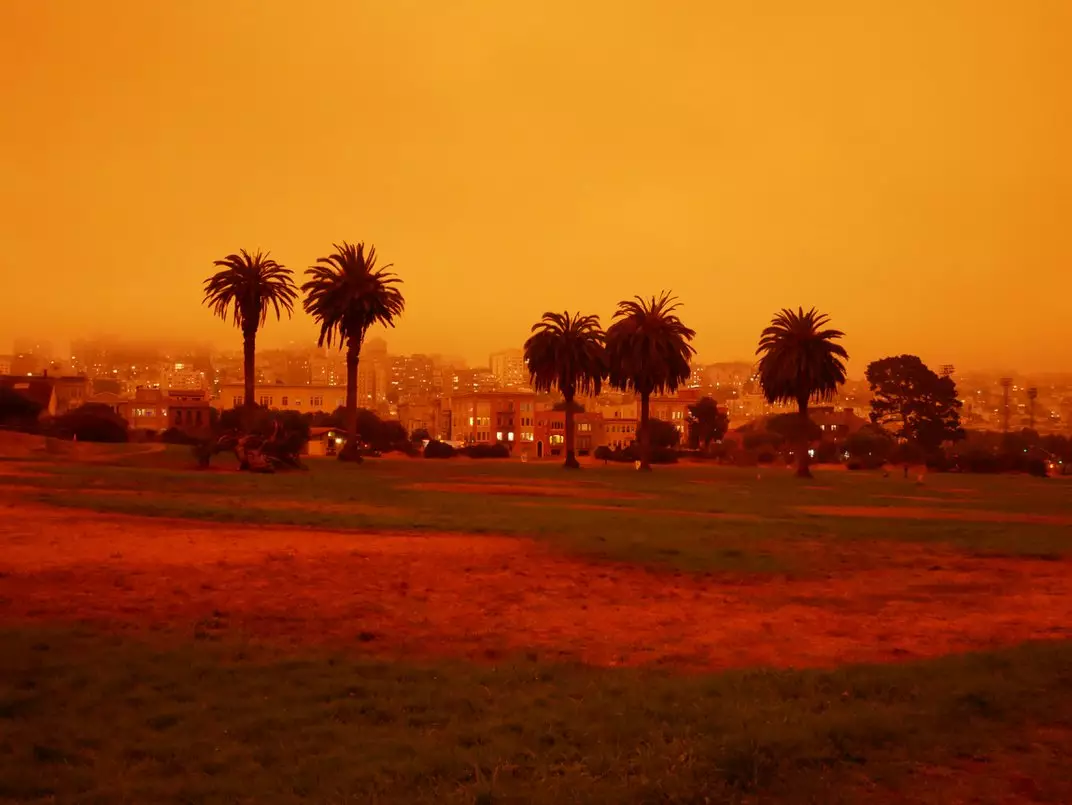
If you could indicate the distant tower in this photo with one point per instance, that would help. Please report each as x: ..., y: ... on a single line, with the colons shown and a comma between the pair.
x: 1006, y: 382
x: 1032, y: 395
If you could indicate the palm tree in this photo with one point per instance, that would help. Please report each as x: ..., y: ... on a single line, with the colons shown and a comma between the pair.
x: 567, y: 352
x: 347, y: 294
x: 801, y: 362
x: 246, y: 287
x: 648, y: 351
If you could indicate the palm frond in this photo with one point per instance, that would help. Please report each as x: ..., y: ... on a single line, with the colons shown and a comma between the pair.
x: 347, y: 294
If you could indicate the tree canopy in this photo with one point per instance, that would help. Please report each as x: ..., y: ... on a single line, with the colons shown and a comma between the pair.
x: 914, y: 402
x: 707, y: 423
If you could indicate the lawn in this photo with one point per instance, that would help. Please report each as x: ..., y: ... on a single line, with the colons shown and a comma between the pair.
x: 468, y: 631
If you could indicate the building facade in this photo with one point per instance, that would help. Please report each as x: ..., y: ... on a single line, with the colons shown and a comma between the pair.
x: 489, y: 417
x: 305, y: 399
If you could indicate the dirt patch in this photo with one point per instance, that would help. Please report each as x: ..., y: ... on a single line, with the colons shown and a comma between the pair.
x: 739, y: 516
x: 528, y: 490
x: 918, y: 498
x: 483, y: 598
x: 549, y: 482
x: 10, y: 469
x: 273, y: 504
x: 925, y: 513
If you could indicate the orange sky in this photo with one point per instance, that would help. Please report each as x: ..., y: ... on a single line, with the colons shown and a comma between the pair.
x: 905, y: 166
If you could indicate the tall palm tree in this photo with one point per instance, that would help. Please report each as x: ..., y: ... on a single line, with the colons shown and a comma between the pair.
x: 800, y: 362
x: 246, y: 287
x: 648, y: 350
x: 347, y: 294
x: 567, y: 352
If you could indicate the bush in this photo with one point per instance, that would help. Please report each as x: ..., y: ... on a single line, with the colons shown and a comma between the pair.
x: 176, y: 436
x: 498, y: 450
x: 437, y: 449
x: 91, y: 423
x: 630, y: 454
x: 865, y: 462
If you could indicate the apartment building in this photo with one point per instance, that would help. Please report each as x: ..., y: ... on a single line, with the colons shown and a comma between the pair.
x: 306, y: 399
x: 488, y: 417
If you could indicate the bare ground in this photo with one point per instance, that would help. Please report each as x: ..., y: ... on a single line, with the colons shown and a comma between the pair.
x: 481, y: 597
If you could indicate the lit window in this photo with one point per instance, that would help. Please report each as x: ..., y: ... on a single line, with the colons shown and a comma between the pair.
x: 510, y: 436
x: 498, y: 436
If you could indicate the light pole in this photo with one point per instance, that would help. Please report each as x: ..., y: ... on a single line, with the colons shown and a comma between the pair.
x: 1006, y: 382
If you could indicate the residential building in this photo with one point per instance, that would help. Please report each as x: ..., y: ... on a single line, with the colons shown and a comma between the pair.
x: 509, y: 369
x: 488, y: 417
x: 189, y: 411
x: 36, y: 389
x: 279, y: 396
x: 430, y: 416
x: 5, y: 365
x: 71, y: 391
x: 550, y: 432
x: 836, y: 423
x: 619, y: 432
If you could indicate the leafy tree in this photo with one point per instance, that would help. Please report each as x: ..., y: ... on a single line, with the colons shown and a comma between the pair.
x: 707, y: 423
x: 801, y: 361
x: 649, y: 350
x: 791, y: 428
x: 562, y: 405
x: 870, y: 442
x: 347, y: 294
x: 920, y: 404
x: 420, y: 435
x: 245, y: 288
x: 567, y: 352
x: 664, y: 436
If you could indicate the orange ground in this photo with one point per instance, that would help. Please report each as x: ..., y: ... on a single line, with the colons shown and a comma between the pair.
x: 481, y: 597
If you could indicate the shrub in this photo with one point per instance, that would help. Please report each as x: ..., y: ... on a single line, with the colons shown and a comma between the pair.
x: 437, y: 449
x: 603, y: 453
x: 497, y: 450
x: 91, y: 423
x: 176, y: 436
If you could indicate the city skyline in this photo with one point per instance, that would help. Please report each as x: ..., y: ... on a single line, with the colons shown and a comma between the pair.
x: 918, y: 198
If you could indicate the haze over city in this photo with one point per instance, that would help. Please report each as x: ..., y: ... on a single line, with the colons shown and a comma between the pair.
x: 904, y: 167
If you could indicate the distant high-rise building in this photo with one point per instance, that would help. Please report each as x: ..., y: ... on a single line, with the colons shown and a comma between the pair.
x: 31, y: 356
x: 509, y: 368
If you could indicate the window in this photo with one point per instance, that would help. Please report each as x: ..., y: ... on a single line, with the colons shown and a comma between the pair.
x: 237, y: 402
x: 284, y: 401
x: 498, y: 436
x: 316, y: 401
x: 556, y: 438
x: 266, y: 401
x: 297, y: 403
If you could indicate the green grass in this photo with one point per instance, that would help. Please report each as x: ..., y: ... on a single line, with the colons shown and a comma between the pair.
x: 649, y: 529
x: 86, y: 718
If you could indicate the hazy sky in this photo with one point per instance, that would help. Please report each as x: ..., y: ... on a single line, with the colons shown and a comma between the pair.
x: 905, y: 166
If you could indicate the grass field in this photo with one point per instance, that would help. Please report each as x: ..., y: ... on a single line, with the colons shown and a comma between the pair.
x: 467, y: 631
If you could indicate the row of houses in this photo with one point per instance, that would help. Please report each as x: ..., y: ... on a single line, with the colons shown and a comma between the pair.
x: 522, y: 420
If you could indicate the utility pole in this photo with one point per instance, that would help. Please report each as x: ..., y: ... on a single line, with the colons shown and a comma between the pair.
x: 1032, y: 395
x: 1006, y: 382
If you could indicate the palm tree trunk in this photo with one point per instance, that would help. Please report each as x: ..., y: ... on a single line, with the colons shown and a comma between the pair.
x: 571, y: 458
x: 645, y: 434
x: 803, y: 470
x: 249, y: 381
x: 350, y: 450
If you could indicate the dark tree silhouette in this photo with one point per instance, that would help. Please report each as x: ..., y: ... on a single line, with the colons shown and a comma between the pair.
x: 245, y: 288
x: 801, y: 361
x: 568, y: 353
x: 707, y: 423
x: 649, y: 351
x: 921, y: 404
x: 347, y: 294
